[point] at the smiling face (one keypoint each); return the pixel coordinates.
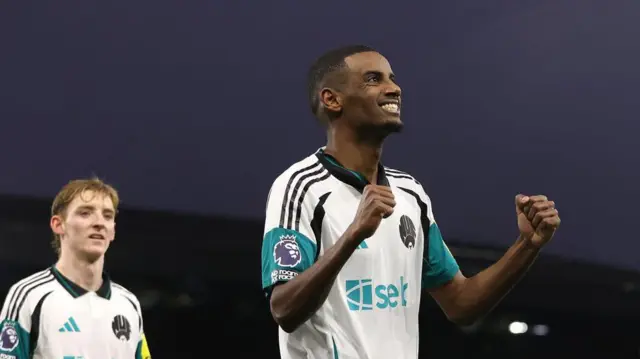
(370, 99)
(84, 221)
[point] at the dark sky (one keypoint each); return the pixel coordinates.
(196, 106)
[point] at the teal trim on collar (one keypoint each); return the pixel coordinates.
(76, 291)
(353, 178)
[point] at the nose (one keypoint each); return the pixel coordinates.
(99, 222)
(393, 90)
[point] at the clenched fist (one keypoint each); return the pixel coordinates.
(377, 202)
(538, 219)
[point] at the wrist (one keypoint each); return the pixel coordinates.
(353, 237)
(528, 243)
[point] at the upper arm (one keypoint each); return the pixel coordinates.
(15, 323)
(439, 267)
(142, 350)
(289, 243)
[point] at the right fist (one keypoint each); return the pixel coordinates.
(377, 202)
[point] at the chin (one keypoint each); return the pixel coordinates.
(392, 125)
(93, 253)
(382, 127)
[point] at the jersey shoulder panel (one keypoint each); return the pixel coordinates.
(411, 185)
(402, 179)
(120, 290)
(288, 200)
(24, 295)
(308, 166)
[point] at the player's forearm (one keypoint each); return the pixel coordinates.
(482, 292)
(294, 302)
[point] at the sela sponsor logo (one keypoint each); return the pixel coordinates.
(281, 274)
(364, 294)
(286, 252)
(7, 356)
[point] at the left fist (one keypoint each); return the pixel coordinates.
(537, 219)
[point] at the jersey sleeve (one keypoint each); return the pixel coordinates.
(289, 244)
(439, 266)
(142, 350)
(15, 325)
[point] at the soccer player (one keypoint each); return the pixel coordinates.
(72, 309)
(350, 245)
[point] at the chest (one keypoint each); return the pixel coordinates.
(398, 241)
(87, 327)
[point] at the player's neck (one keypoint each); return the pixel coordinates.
(87, 275)
(362, 157)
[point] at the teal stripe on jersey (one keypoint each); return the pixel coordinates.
(440, 267)
(335, 349)
(15, 340)
(357, 174)
(139, 350)
(284, 251)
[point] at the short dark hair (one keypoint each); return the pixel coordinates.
(330, 62)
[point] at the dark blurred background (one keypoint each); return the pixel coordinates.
(191, 109)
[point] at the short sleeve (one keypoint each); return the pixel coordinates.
(142, 352)
(289, 243)
(142, 348)
(439, 266)
(15, 324)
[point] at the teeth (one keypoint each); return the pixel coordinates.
(390, 107)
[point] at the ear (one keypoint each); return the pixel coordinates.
(331, 100)
(57, 225)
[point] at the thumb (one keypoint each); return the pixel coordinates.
(521, 201)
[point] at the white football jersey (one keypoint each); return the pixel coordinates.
(372, 308)
(47, 316)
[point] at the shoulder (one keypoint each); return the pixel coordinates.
(121, 291)
(409, 184)
(308, 166)
(403, 179)
(24, 293)
(296, 179)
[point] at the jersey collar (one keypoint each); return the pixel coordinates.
(76, 291)
(352, 178)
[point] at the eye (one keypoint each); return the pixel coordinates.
(372, 78)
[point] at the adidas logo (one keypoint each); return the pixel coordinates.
(70, 326)
(362, 245)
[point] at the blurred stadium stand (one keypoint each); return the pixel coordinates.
(198, 279)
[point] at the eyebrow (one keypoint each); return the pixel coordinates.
(90, 207)
(378, 73)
